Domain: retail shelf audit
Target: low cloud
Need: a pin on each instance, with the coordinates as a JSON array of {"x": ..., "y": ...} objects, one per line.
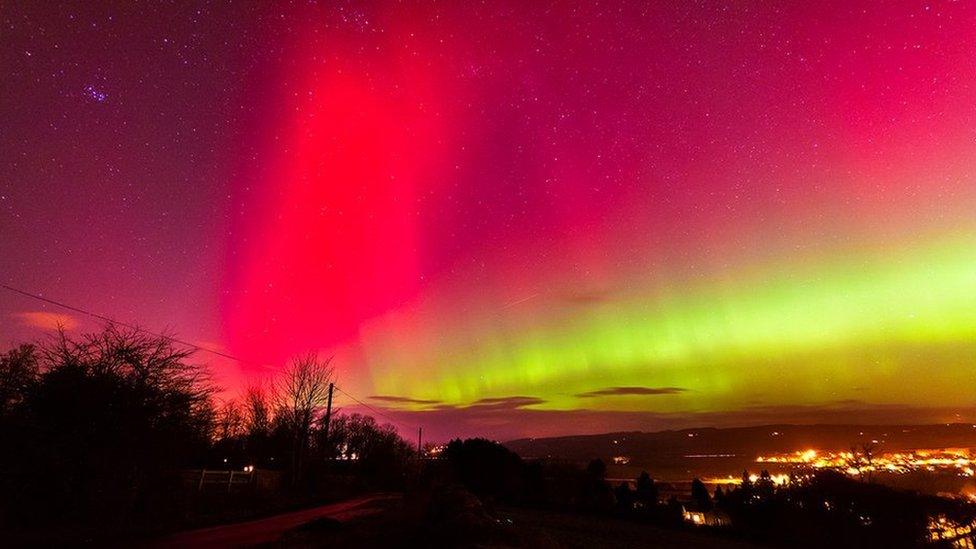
[
  {"x": 631, "y": 391},
  {"x": 402, "y": 400},
  {"x": 494, "y": 404},
  {"x": 46, "y": 320},
  {"x": 514, "y": 417},
  {"x": 509, "y": 403}
]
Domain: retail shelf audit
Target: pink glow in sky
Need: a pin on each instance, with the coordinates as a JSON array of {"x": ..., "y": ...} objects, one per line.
[{"x": 487, "y": 210}]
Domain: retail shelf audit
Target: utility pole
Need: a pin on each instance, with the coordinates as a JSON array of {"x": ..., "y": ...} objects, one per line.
[
  {"x": 420, "y": 438},
  {"x": 328, "y": 413}
]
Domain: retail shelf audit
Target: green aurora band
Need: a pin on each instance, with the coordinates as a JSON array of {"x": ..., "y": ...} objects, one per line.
[{"x": 874, "y": 327}]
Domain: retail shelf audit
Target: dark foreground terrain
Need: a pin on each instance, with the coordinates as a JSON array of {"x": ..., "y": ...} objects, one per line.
[
  {"x": 462, "y": 521},
  {"x": 270, "y": 529}
]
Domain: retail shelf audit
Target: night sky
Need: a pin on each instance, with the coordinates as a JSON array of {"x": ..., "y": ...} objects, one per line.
[{"x": 512, "y": 218}]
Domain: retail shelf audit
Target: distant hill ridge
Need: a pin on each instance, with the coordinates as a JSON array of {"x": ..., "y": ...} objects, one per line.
[{"x": 745, "y": 441}]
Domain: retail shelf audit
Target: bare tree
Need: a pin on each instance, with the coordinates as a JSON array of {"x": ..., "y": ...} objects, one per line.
[
  {"x": 141, "y": 358},
  {"x": 299, "y": 394},
  {"x": 230, "y": 420},
  {"x": 125, "y": 407},
  {"x": 862, "y": 460},
  {"x": 257, "y": 412},
  {"x": 867, "y": 455},
  {"x": 19, "y": 369}
]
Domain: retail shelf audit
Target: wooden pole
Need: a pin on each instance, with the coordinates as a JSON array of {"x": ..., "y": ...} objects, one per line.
[{"x": 328, "y": 413}]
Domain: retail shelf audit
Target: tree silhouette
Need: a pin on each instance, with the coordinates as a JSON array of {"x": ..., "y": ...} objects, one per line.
[
  {"x": 485, "y": 467},
  {"x": 861, "y": 459},
  {"x": 624, "y": 496},
  {"x": 101, "y": 431},
  {"x": 597, "y": 470},
  {"x": 596, "y": 494},
  {"x": 699, "y": 495},
  {"x": 376, "y": 452},
  {"x": 299, "y": 394},
  {"x": 257, "y": 425},
  {"x": 230, "y": 420},
  {"x": 18, "y": 371},
  {"x": 646, "y": 490},
  {"x": 745, "y": 487},
  {"x": 764, "y": 485}
]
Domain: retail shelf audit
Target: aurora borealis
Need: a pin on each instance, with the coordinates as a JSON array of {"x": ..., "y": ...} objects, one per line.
[{"x": 515, "y": 217}]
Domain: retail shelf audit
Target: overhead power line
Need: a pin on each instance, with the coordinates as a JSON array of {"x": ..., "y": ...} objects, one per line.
[
  {"x": 374, "y": 410},
  {"x": 104, "y": 318},
  {"x": 178, "y": 341}
]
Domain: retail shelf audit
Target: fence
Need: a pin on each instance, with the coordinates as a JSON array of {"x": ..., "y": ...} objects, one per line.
[{"x": 222, "y": 479}]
